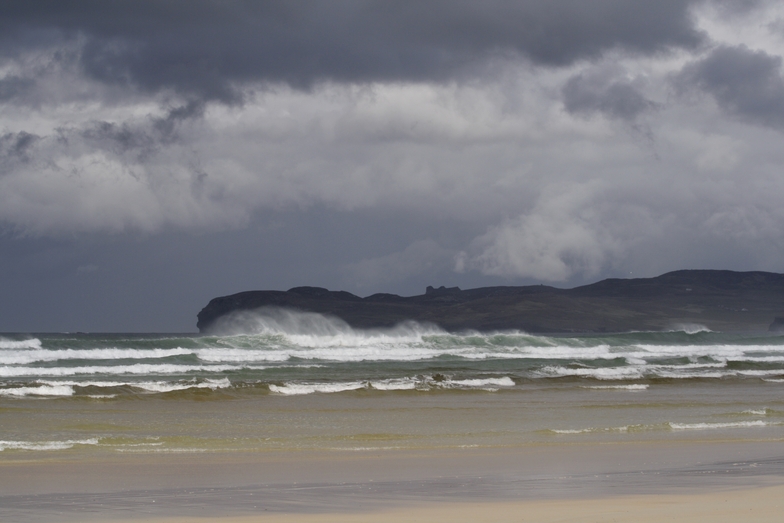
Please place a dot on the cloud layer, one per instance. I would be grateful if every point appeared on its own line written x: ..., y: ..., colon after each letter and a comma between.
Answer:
x: 209, y: 48
x: 573, y: 139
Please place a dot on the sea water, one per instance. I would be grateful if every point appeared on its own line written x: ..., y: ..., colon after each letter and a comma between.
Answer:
x: 282, y: 380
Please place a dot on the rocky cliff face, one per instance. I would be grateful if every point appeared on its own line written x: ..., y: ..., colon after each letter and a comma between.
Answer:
x: 719, y: 300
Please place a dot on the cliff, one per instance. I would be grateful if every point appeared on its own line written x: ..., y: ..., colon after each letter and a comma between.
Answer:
x: 719, y: 300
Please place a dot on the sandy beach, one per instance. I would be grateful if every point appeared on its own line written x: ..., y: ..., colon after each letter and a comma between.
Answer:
x: 358, y: 426
x: 383, y: 261
x: 681, y: 481
x: 757, y: 505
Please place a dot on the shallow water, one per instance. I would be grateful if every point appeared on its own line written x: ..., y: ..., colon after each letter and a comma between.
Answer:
x: 302, y: 381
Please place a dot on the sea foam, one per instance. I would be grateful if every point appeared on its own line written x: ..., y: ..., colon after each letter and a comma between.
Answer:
x: 616, y: 387
x: 709, y: 426
x: 66, y: 388
x: 421, y: 384
x: 45, y: 445
x: 310, y: 388
x: 32, y: 343
x: 40, y: 390
x: 140, y: 368
x: 44, y: 355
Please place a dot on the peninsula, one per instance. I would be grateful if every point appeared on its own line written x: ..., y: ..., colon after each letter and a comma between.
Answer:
x: 719, y: 300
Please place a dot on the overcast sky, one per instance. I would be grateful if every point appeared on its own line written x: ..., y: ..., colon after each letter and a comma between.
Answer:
x: 154, y: 155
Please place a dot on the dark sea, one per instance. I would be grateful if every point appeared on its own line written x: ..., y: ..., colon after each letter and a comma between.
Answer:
x: 293, y: 381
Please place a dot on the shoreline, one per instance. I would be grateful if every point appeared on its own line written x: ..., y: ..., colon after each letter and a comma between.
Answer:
x: 314, y: 485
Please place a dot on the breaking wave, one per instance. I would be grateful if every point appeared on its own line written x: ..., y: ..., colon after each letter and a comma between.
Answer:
x: 33, y: 343
x: 421, y: 384
x: 285, y: 352
x: 45, y: 445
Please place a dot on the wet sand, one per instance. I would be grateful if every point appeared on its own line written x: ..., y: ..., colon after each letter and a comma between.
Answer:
x: 564, y: 482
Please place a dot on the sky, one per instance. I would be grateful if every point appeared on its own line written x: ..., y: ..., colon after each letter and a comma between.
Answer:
x: 154, y: 155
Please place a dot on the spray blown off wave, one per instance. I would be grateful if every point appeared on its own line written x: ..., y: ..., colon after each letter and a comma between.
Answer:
x: 283, y: 352
x: 278, y: 379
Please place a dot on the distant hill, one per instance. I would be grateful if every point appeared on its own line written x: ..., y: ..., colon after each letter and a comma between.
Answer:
x: 719, y: 300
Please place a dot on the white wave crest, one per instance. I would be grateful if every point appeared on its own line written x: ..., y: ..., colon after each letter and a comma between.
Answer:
x: 311, y: 327
x: 676, y: 373
x: 163, y: 386
x: 45, y: 445
x: 23, y: 357
x: 486, y: 382
x: 395, y: 384
x: 66, y: 388
x: 422, y: 384
x: 238, y: 355
x: 689, y: 328
x: 756, y: 412
x: 290, y: 389
x: 617, y: 387
x: 40, y: 390
x: 690, y: 375
x: 381, y: 346
x: 156, y: 450
x: 592, y: 430
x: 603, y: 373
x: 708, y: 426
x: 140, y: 368
x: 32, y: 343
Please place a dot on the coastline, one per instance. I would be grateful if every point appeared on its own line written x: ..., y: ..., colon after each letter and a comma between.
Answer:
x: 559, y: 482
x: 297, y: 424
x: 720, y: 300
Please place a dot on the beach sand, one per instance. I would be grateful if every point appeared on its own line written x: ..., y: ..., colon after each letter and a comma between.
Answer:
x: 729, y: 506
x: 640, y: 481
x: 569, y: 430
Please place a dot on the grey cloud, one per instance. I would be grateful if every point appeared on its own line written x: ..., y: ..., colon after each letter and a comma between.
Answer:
x: 168, y: 124
x: 776, y: 26
x: 421, y: 257
x: 564, y: 235
x: 119, y: 138
x: 139, y: 139
x: 110, y: 176
x: 732, y: 8
x: 388, y: 151
x: 577, y: 231
x: 16, y: 144
x: 600, y: 92
x: 745, y: 83
x: 14, y: 150
x: 207, y: 48
x: 12, y: 86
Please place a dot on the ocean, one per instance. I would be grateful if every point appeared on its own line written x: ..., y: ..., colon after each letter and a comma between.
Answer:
x: 300, y: 381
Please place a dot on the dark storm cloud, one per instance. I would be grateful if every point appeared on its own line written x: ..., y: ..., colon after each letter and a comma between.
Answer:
x: 616, y: 99
x: 745, y: 83
x: 207, y: 48
x: 140, y: 140
x: 375, y: 147
x: 167, y: 126
x: 12, y: 86
x: 14, y: 148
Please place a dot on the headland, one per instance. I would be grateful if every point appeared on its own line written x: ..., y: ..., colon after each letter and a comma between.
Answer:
x: 716, y: 299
